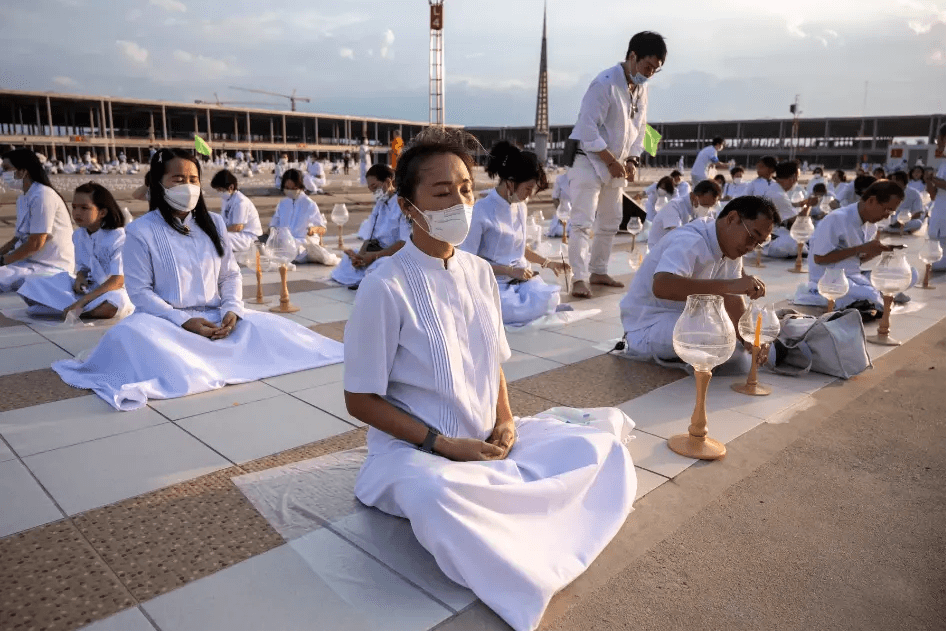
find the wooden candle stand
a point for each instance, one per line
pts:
(284, 305)
(799, 266)
(752, 386)
(341, 241)
(926, 278)
(830, 307)
(259, 282)
(883, 329)
(758, 259)
(633, 242)
(695, 443)
(564, 232)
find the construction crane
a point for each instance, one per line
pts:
(292, 97)
(217, 101)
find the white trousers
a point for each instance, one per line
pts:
(12, 276)
(596, 206)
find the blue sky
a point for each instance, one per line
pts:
(729, 59)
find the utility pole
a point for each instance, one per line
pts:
(436, 63)
(796, 112)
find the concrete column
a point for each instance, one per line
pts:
(104, 131)
(873, 140)
(151, 129)
(164, 121)
(272, 131)
(49, 117)
(91, 122)
(210, 137)
(111, 125)
(249, 134)
(284, 141)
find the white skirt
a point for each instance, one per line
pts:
(145, 357)
(518, 530)
(56, 295)
(12, 276)
(524, 302)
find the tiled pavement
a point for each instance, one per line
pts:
(131, 521)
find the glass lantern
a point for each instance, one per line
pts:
(760, 325)
(634, 226)
(891, 276)
(833, 284)
(930, 253)
(802, 229)
(339, 217)
(283, 249)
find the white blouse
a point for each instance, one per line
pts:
(42, 211)
(298, 215)
(167, 272)
(240, 210)
(498, 231)
(428, 338)
(99, 254)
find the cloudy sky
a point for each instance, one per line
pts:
(727, 59)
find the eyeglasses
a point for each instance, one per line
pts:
(756, 241)
(649, 69)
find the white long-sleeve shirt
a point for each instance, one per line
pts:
(298, 215)
(167, 272)
(240, 210)
(99, 254)
(42, 211)
(498, 232)
(611, 118)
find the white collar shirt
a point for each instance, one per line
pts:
(842, 228)
(678, 212)
(240, 210)
(706, 156)
(779, 196)
(498, 231)
(298, 215)
(99, 254)
(41, 211)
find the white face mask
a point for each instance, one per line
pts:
(450, 225)
(292, 194)
(702, 211)
(379, 195)
(226, 196)
(737, 180)
(182, 197)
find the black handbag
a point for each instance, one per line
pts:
(570, 151)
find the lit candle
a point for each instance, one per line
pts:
(758, 331)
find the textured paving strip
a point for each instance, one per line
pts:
(35, 387)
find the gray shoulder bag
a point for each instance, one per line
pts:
(833, 344)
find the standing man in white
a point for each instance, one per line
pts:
(937, 225)
(707, 156)
(610, 130)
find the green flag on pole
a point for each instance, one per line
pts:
(201, 146)
(651, 140)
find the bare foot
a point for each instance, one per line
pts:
(581, 290)
(604, 279)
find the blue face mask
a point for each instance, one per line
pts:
(638, 79)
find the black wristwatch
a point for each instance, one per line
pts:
(428, 444)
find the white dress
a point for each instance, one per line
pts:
(240, 210)
(498, 235)
(172, 278)
(40, 211)
(99, 255)
(388, 225)
(299, 215)
(429, 340)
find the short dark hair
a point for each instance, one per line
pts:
(901, 177)
(27, 160)
(750, 207)
(883, 190)
(647, 44)
(862, 182)
(736, 169)
(883, 173)
(432, 141)
(666, 184)
(719, 140)
(675, 173)
(224, 179)
(769, 161)
(291, 175)
(511, 163)
(786, 169)
(707, 186)
(102, 198)
(841, 175)
(719, 177)
(380, 172)
(817, 170)
(820, 188)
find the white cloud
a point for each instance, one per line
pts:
(132, 51)
(386, 41)
(794, 28)
(919, 27)
(205, 66)
(64, 81)
(937, 58)
(346, 53)
(169, 5)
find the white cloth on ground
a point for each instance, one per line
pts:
(171, 278)
(428, 338)
(498, 235)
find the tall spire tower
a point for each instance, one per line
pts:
(436, 62)
(542, 101)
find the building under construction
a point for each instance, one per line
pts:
(69, 125)
(63, 125)
(833, 142)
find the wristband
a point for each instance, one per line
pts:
(428, 444)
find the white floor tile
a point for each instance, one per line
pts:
(390, 540)
(316, 298)
(324, 584)
(593, 330)
(24, 504)
(341, 294)
(548, 345)
(651, 453)
(76, 340)
(128, 620)
(88, 475)
(222, 399)
(5, 453)
(32, 357)
(262, 428)
(647, 481)
(11, 336)
(326, 313)
(331, 398)
(303, 379)
(63, 423)
(295, 317)
(521, 365)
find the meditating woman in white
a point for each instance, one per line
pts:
(498, 235)
(301, 215)
(98, 288)
(239, 213)
(42, 238)
(513, 509)
(189, 332)
(388, 229)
